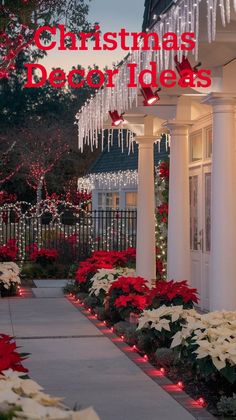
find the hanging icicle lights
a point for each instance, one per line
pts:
(181, 17)
(109, 180)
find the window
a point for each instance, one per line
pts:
(193, 184)
(196, 147)
(131, 200)
(108, 201)
(209, 139)
(208, 211)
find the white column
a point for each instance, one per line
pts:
(146, 246)
(223, 227)
(178, 253)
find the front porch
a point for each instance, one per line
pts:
(201, 125)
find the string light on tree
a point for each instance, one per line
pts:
(15, 36)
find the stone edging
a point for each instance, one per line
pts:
(175, 391)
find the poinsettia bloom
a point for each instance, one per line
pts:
(103, 259)
(49, 254)
(104, 277)
(170, 290)
(9, 274)
(9, 357)
(164, 170)
(210, 336)
(130, 284)
(133, 301)
(130, 254)
(27, 399)
(9, 251)
(163, 208)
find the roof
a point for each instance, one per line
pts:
(114, 160)
(153, 9)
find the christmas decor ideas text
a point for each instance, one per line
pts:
(184, 75)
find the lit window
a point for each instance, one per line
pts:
(196, 147)
(131, 200)
(108, 201)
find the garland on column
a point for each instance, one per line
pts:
(162, 196)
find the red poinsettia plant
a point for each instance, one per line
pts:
(128, 295)
(114, 258)
(130, 255)
(172, 293)
(9, 251)
(126, 305)
(102, 259)
(86, 271)
(42, 256)
(9, 357)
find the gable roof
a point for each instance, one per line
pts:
(114, 160)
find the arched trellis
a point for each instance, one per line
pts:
(26, 222)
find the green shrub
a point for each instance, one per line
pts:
(31, 270)
(165, 357)
(12, 291)
(146, 342)
(121, 327)
(82, 295)
(130, 335)
(100, 311)
(7, 412)
(91, 302)
(227, 406)
(72, 271)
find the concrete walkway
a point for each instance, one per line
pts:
(71, 358)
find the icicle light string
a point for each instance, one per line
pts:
(109, 180)
(183, 16)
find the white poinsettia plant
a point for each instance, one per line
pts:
(104, 277)
(163, 317)
(208, 340)
(25, 399)
(211, 338)
(161, 324)
(9, 274)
